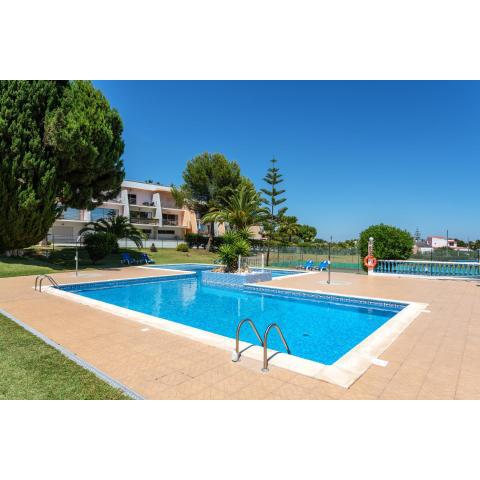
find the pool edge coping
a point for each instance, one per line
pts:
(344, 372)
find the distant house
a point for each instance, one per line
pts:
(421, 246)
(441, 242)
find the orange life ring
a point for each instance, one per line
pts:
(370, 261)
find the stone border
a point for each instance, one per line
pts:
(159, 267)
(71, 356)
(237, 280)
(344, 372)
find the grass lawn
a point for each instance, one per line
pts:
(339, 262)
(31, 369)
(61, 259)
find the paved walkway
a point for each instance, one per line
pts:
(436, 357)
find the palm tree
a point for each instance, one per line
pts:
(289, 226)
(118, 226)
(242, 210)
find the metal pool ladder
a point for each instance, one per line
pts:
(236, 353)
(264, 343)
(40, 278)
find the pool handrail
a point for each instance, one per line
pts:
(41, 278)
(236, 354)
(265, 344)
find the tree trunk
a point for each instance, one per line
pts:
(211, 237)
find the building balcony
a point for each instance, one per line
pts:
(147, 206)
(144, 221)
(170, 223)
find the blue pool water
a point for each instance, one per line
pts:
(319, 328)
(200, 266)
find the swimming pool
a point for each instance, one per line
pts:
(320, 328)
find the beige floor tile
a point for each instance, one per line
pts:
(437, 356)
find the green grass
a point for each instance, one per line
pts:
(339, 262)
(61, 259)
(31, 369)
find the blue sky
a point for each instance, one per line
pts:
(352, 153)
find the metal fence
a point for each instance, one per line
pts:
(347, 260)
(448, 255)
(69, 241)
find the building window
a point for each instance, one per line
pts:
(166, 232)
(99, 213)
(71, 214)
(168, 219)
(132, 198)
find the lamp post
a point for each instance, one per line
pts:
(76, 254)
(329, 259)
(447, 245)
(370, 254)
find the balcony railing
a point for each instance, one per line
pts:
(144, 221)
(429, 268)
(170, 223)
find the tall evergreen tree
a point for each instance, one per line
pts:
(417, 235)
(272, 199)
(60, 147)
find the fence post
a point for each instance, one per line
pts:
(263, 262)
(239, 264)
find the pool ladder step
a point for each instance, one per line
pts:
(40, 278)
(263, 342)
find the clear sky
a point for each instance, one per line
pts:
(352, 153)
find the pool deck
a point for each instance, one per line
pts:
(436, 357)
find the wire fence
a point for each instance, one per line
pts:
(448, 255)
(347, 260)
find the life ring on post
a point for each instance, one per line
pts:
(370, 261)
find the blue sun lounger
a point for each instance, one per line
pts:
(144, 258)
(127, 259)
(308, 265)
(323, 265)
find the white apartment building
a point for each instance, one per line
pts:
(149, 207)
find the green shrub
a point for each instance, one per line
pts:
(182, 247)
(389, 243)
(99, 244)
(233, 246)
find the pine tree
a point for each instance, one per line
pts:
(60, 146)
(27, 167)
(417, 235)
(209, 179)
(272, 200)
